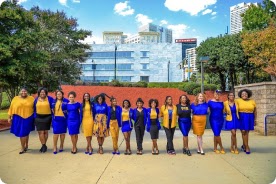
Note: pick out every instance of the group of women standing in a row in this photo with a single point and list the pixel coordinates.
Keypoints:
(99, 120)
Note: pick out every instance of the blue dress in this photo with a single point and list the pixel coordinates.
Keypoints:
(234, 123)
(73, 118)
(59, 123)
(216, 116)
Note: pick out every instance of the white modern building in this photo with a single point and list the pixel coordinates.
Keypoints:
(110, 37)
(190, 63)
(235, 16)
(151, 62)
(144, 37)
(165, 34)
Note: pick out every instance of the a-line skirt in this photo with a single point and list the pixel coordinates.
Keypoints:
(100, 126)
(22, 127)
(43, 122)
(246, 121)
(127, 126)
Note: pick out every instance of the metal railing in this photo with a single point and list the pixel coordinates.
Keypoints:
(265, 122)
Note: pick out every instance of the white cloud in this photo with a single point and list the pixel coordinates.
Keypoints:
(123, 8)
(213, 13)
(193, 7)
(76, 1)
(178, 30)
(63, 2)
(93, 39)
(206, 11)
(163, 22)
(213, 17)
(142, 19)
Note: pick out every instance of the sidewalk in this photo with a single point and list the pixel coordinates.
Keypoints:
(33, 167)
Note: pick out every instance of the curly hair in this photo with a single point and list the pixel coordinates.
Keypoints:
(196, 99)
(187, 99)
(249, 92)
(72, 93)
(139, 100)
(129, 105)
(42, 89)
(102, 95)
(153, 100)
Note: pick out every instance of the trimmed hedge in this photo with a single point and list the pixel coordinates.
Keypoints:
(210, 87)
(190, 87)
(196, 90)
(165, 84)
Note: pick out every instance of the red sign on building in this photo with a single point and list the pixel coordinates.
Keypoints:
(186, 40)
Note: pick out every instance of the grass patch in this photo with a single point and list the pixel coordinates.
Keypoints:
(4, 114)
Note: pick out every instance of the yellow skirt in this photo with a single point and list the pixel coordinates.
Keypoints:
(87, 125)
(100, 126)
(199, 124)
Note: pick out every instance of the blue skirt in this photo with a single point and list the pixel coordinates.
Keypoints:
(126, 126)
(22, 127)
(233, 124)
(73, 126)
(216, 125)
(184, 125)
(59, 125)
(246, 121)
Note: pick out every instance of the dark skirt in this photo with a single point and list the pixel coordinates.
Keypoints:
(43, 122)
(154, 130)
(22, 127)
(59, 125)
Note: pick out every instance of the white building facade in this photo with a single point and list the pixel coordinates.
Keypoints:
(190, 63)
(165, 34)
(235, 16)
(150, 62)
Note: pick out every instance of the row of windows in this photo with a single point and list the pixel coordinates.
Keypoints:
(119, 54)
(105, 78)
(87, 67)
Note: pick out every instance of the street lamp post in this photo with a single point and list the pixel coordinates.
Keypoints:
(203, 59)
(169, 71)
(115, 64)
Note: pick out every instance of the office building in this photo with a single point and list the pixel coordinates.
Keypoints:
(190, 63)
(165, 34)
(150, 62)
(110, 37)
(144, 37)
(235, 16)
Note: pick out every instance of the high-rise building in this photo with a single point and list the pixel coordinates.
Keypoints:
(165, 34)
(235, 16)
(190, 63)
(186, 43)
(113, 37)
(144, 37)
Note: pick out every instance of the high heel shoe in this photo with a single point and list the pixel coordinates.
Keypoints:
(236, 151)
(189, 153)
(44, 148)
(222, 151)
(184, 151)
(54, 152)
(118, 152)
(217, 151)
(243, 148)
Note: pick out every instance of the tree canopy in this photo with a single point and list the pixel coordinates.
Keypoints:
(37, 47)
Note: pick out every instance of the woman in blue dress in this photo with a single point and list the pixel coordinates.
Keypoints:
(100, 112)
(73, 120)
(127, 125)
(231, 108)
(216, 120)
(184, 121)
(59, 123)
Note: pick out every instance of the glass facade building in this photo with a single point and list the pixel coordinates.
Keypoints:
(134, 62)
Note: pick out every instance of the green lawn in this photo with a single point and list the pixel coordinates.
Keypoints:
(4, 114)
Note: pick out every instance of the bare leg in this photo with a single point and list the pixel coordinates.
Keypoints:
(215, 143)
(41, 137)
(233, 140)
(220, 142)
(246, 137)
(55, 140)
(185, 140)
(27, 143)
(243, 137)
(62, 138)
(46, 135)
(89, 146)
(23, 143)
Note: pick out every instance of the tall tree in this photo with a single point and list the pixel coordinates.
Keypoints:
(260, 47)
(37, 47)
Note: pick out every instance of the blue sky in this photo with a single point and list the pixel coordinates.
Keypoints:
(187, 18)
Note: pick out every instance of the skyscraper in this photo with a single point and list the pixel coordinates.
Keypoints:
(235, 16)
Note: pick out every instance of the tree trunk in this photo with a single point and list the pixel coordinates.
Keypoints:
(222, 81)
(231, 79)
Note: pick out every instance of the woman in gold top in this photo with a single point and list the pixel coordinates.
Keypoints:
(20, 115)
(248, 116)
(87, 122)
(43, 116)
(169, 114)
(59, 123)
(127, 125)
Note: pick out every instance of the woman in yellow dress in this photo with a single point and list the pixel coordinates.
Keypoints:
(87, 122)
(169, 114)
(20, 115)
(43, 116)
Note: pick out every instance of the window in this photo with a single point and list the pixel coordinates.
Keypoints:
(145, 66)
(144, 54)
(89, 67)
(86, 67)
(144, 78)
(119, 54)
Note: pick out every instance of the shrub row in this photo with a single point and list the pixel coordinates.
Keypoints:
(165, 84)
(193, 88)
